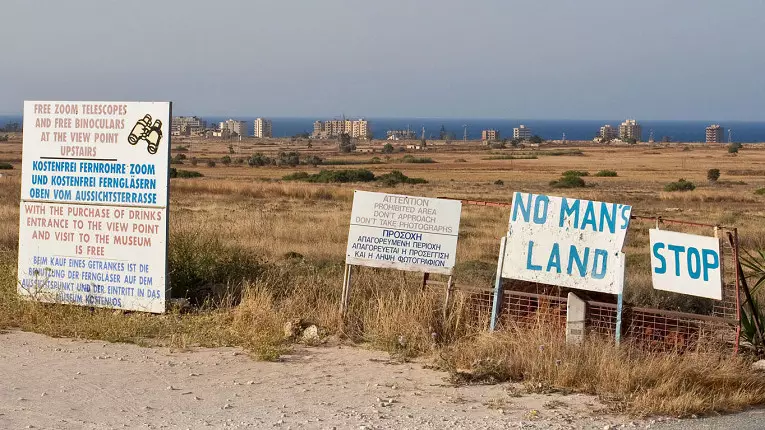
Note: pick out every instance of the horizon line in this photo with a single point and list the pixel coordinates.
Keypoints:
(447, 118)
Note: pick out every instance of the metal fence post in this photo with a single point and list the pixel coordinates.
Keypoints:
(619, 306)
(495, 308)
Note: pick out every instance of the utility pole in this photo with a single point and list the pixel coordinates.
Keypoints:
(464, 133)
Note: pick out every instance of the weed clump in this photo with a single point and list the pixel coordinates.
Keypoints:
(568, 182)
(175, 173)
(606, 174)
(333, 176)
(576, 173)
(6, 166)
(204, 269)
(361, 175)
(417, 160)
(680, 185)
(760, 191)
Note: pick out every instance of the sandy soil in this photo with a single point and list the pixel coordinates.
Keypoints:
(72, 384)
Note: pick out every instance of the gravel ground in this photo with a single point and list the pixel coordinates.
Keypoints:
(73, 384)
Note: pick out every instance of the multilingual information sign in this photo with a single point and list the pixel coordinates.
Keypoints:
(567, 242)
(94, 197)
(403, 232)
(686, 263)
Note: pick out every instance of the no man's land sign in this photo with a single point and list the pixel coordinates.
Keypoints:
(403, 232)
(94, 200)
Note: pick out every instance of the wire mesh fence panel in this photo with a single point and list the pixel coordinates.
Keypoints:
(530, 308)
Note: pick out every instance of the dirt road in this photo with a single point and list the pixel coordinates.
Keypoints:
(73, 384)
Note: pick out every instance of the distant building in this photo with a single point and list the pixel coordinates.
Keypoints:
(263, 128)
(630, 129)
(234, 127)
(522, 132)
(333, 128)
(715, 134)
(607, 132)
(187, 126)
(490, 135)
(401, 135)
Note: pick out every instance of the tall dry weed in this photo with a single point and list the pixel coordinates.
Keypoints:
(640, 382)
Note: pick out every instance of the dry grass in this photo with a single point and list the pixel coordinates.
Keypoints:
(290, 238)
(633, 380)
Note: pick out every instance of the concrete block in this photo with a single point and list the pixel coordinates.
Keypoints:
(576, 314)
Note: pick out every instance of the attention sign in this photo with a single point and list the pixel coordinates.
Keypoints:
(94, 198)
(567, 242)
(403, 232)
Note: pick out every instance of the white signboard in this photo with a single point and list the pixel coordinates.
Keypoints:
(567, 242)
(403, 232)
(94, 197)
(686, 263)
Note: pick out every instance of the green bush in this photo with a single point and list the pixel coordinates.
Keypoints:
(760, 191)
(181, 148)
(680, 185)
(361, 175)
(396, 177)
(419, 160)
(568, 182)
(576, 173)
(606, 174)
(226, 160)
(259, 159)
(713, 175)
(328, 176)
(733, 148)
(210, 163)
(203, 268)
(4, 138)
(6, 166)
(499, 182)
(175, 173)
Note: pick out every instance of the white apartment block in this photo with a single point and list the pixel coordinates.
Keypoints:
(522, 132)
(328, 129)
(233, 127)
(630, 129)
(263, 128)
(187, 125)
(607, 132)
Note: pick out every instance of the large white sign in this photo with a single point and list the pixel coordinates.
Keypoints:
(94, 197)
(567, 242)
(686, 263)
(403, 232)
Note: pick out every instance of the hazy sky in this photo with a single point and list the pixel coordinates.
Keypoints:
(544, 59)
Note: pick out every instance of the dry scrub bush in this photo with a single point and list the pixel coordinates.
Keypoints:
(639, 382)
(257, 323)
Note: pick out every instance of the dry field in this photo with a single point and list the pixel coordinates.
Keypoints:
(256, 251)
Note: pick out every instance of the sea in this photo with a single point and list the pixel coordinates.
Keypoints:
(674, 131)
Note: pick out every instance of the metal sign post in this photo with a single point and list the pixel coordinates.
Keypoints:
(495, 308)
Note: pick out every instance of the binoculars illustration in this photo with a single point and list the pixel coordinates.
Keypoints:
(145, 130)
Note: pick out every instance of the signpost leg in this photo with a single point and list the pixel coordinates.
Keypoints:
(425, 277)
(619, 305)
(449, 286)
(498, 285)
(346, 290)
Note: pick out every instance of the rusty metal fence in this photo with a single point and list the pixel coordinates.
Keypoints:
(663, 327)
